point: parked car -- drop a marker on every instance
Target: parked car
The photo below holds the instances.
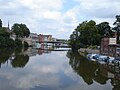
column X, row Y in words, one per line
column 100, row 58
column 116, row 62
column 91, row 57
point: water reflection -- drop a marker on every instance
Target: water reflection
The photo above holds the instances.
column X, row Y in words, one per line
column 19, row 57
column 5, row 53
column 20, row 61
column 48, row 71
column 94, row 72
column 13, row 56
column 84, row 68
column 38, row 69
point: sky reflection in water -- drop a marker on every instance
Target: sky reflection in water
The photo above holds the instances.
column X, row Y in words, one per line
column 49, row 71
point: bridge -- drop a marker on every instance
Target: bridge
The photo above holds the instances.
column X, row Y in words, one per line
column 62, row 44
column 52, row 42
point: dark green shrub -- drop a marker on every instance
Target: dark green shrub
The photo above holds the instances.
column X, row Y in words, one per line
column 18, row 43
column 10, row 42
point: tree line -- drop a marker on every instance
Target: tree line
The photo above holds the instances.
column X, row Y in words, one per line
column 88, row 33
column 19, row 30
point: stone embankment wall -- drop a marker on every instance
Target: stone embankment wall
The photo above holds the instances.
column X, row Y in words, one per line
column 89, row 50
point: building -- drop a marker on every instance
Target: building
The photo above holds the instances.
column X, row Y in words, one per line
column 28, row 40
column 41, row 38
column 45, row 41
column 32, row 40
column 44, row 38
column 109, row 47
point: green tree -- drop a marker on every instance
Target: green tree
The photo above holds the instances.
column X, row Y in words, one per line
column 25, row 30
column 4, row 33
column 20, row 30
column 4, row 37
column 18, row 43
column 10, row 42
column 117, row 26
column 104, row 29
column 0, row 23
column 2, row 41
column 74, row 41
column 88, row 33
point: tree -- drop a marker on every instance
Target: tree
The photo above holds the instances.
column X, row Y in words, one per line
column 4, row 37
column 18, row 43
column 2, row 41
column 4, row 33
column 20, row 30
column 25, row 30
column 84, row 35
column 117, row 26
column 88, row 33
column 10, row 42
column 74, row 41
column 0, row 23
column 104, row 29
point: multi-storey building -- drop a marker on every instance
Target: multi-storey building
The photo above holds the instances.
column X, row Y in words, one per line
column 44, row 38
column 109, row 47
column 32, row 40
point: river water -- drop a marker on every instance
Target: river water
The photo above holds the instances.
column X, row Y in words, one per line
column 53, row 70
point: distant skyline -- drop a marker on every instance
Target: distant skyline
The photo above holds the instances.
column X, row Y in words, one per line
column 57, row 17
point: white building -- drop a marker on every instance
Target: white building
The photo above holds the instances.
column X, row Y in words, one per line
column 32, row 40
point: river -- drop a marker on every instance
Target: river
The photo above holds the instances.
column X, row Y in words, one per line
column 37, row 69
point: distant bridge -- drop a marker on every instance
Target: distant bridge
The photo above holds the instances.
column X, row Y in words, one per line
column 52, row 42
column 57, row 43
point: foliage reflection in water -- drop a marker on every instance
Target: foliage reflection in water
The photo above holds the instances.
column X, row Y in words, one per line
column 38, row 69
column 15, row 56
column 92, row 71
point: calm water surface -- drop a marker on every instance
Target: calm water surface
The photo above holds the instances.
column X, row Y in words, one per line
column 53, row 70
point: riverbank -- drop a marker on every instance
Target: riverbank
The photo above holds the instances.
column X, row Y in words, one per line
column 87, row 50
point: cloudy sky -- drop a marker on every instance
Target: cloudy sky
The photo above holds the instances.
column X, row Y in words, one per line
column 57, row 17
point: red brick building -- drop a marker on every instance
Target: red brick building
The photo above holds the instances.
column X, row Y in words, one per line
column 109, row 47
column 43, row 38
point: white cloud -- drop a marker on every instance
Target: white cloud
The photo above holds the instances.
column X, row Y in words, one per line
column 53, row 17
column 99, row 8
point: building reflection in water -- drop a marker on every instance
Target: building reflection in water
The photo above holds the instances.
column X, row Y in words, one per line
column 92, row 71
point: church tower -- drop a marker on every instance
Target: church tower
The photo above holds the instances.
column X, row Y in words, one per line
column 8, row 25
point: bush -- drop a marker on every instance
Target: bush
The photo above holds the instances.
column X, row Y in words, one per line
column 18, row 43
column 2, row 41
column 10, row 42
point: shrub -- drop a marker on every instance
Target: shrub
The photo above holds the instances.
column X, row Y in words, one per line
column 10, row 42
column 18, row 43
